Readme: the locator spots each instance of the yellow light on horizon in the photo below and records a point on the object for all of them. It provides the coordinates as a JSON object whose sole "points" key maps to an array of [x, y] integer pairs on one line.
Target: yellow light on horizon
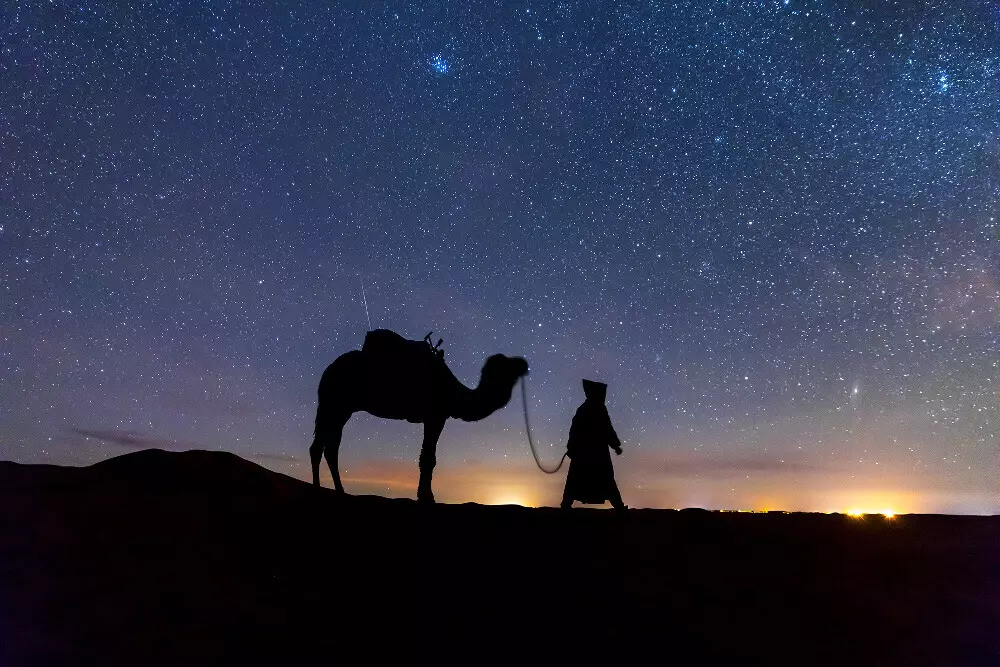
{"points": [[511, 496], [860, 513]]}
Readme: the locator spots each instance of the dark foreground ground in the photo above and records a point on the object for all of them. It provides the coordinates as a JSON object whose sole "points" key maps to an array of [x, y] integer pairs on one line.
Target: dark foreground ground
{"points": [[197, 558]]}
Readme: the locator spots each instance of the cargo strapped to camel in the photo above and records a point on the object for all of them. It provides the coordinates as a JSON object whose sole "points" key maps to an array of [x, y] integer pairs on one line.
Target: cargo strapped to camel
{"points": [[387, 344]]}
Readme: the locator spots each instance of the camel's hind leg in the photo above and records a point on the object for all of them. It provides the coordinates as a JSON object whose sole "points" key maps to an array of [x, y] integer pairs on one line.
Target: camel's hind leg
{"points": [[327, 441], [332, 449], [315, 457]]}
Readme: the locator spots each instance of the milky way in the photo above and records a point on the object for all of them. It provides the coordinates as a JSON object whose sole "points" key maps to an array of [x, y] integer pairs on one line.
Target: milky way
{"points": [[770, 227]]}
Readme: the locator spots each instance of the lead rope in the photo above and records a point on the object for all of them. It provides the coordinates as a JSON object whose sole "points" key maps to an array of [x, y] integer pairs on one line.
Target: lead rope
{"points": [[531, 441]]}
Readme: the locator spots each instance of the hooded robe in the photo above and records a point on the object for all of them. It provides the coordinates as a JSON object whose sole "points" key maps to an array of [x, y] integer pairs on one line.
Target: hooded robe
{"points": [[591, 477]]}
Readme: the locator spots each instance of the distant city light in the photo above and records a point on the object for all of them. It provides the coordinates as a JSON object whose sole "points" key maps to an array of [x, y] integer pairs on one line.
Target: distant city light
{"points": [[512, 496], [860, 513]]}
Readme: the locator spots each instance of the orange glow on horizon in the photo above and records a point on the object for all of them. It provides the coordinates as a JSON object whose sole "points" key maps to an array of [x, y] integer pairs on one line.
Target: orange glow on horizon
{"points": [[511, 496], [860, 513], [522, 484]]}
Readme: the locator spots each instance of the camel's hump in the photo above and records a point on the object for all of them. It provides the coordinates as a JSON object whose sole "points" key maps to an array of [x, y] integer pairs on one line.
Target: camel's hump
{"points": [[389, 346], [378, 338]]}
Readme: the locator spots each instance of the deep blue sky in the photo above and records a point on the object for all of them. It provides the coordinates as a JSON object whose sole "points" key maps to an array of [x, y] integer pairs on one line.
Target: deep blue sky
{"points": [[769, 226]]}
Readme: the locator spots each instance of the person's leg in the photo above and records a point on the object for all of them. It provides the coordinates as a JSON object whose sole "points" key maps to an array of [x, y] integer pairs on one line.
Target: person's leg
{"points": [[567, 500], [616, 499]]}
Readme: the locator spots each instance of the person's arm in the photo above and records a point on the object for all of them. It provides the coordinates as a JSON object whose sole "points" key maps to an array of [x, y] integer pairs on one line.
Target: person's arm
{"points": [[574, 436], [613, 441]]}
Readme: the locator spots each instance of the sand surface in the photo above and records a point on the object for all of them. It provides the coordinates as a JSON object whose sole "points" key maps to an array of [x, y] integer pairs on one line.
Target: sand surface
{"points": [[198, 558]]}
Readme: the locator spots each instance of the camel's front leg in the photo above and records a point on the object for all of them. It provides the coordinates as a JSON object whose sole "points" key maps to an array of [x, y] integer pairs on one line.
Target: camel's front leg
{"points": [[432, 431]]}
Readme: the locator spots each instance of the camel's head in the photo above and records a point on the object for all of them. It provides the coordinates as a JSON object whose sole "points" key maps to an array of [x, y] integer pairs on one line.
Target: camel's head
{"points": [[503, 371], [496, 383]]}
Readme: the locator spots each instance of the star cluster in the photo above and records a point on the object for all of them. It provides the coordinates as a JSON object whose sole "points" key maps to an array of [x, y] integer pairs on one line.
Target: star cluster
{"points": [[771, 227]]}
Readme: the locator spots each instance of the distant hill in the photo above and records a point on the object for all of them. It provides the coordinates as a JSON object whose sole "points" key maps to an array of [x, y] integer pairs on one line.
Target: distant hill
{"points": [[152, 469], [203, 558]]}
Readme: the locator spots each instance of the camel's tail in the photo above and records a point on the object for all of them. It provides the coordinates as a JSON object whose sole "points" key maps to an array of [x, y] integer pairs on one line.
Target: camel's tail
{"points": [[322, 423], [326, 413]]}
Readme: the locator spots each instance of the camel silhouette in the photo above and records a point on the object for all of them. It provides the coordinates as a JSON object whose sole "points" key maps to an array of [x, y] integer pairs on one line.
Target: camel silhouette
{"points": [[395, 378]]}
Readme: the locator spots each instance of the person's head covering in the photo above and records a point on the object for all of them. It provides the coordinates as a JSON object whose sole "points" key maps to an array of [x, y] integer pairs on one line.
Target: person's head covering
{"points": [[595, 391]]}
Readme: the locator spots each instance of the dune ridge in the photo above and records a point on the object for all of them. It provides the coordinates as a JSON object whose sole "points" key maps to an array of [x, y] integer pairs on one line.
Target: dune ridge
{"points": [[196, 557]]}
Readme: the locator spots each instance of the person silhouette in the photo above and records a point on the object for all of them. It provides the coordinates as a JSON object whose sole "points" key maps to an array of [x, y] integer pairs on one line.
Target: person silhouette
{"points": [[591, 477]]}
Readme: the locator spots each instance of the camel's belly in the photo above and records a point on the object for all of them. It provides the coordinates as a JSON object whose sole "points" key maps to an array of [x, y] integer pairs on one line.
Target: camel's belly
{"points": [[402, 400], [382, 413]]}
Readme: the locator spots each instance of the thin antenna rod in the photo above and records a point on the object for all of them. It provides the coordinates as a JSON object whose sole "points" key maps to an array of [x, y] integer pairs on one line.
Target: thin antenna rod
{"points": [[365, 298]]}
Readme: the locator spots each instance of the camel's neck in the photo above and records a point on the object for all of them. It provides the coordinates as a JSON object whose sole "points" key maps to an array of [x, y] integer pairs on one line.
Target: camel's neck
{"points": [[471, 405]]}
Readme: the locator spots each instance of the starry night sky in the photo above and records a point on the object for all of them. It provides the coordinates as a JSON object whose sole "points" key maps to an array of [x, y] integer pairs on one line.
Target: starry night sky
{"points": [[769, 226]]}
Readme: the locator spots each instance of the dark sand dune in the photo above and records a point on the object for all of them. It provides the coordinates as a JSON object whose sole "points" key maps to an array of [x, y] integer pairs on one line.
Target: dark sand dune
{"points": [[203, 558]]}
